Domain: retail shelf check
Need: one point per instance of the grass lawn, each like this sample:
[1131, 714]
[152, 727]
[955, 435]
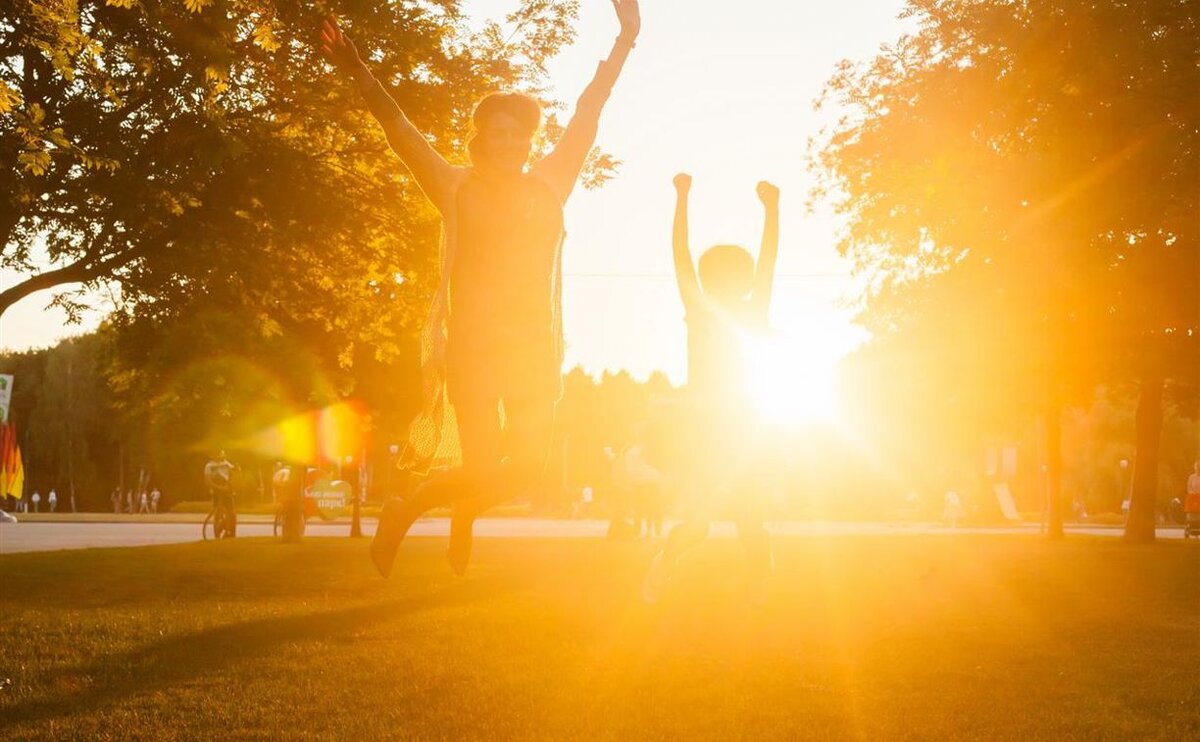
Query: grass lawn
[968, 637]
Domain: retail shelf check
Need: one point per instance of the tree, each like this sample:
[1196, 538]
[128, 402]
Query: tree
[272, 254]
[175, 145]
[63, 417]
[1020, 182]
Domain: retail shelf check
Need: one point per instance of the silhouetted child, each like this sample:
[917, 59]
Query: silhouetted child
[725, 309]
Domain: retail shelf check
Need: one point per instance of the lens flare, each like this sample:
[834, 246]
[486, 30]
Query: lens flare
[328, 434]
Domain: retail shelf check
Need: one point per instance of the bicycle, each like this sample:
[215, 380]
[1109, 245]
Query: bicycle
[222, 520]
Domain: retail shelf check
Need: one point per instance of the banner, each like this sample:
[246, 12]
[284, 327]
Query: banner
[12, 470]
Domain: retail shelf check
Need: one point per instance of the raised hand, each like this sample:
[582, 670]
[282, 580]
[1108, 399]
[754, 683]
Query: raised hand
[683, 183]
[337, 47]
[768, 193]
[630, 16]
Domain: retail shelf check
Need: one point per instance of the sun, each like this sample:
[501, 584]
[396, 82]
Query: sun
[791, 383]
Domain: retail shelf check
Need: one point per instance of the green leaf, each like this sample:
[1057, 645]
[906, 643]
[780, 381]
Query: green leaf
[35, 162]
[264, 36]
[9, 98]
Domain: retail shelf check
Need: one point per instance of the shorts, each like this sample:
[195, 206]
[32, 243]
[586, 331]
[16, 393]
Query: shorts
[222, 498]
[726, 471]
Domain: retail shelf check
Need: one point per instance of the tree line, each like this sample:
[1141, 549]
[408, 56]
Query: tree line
[90, 418]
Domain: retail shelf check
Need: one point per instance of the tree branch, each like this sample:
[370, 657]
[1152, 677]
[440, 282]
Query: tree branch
[72, 273]
[91, 265]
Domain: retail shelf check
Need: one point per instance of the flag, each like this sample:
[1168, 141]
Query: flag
[12, 471]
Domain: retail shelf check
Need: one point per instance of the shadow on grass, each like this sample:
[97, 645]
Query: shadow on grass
[244, 570]
[176, 659]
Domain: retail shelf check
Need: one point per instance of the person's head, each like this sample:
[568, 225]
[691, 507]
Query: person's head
[726, 273]
[504, 126]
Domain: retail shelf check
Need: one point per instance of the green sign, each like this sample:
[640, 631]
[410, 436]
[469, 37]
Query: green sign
[6, 384]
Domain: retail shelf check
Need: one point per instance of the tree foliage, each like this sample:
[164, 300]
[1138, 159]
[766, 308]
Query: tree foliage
[1019, 182]
[185, 147]
[271, 253]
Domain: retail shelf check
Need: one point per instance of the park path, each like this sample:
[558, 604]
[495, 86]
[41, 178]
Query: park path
[24, 537]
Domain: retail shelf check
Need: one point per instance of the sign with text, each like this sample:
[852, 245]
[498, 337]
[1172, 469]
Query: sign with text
[330, 498]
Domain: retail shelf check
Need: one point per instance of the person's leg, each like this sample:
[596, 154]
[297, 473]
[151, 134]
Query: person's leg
[682, 537]
[706, 465]
[486, 482]
[230, 514]
[529, 426]
[751, 515]
[686, 534]
[479, 436]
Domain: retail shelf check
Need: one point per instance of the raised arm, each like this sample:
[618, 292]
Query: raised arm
[685, 272]
[560, 169]
[433, 174]
[764, 275]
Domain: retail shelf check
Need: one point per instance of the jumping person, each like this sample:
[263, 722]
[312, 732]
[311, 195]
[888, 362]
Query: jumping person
[494, 332]
[725, 307]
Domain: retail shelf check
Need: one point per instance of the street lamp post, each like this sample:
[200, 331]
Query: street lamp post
[393, 452]
[355, 492]
[1126, 503]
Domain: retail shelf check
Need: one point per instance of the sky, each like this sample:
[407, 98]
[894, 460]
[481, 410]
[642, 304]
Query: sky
[723, 91]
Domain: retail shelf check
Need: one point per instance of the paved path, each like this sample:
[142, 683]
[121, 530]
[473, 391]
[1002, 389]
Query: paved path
[21, 537]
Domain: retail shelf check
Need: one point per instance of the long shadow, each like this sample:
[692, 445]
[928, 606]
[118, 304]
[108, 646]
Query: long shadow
[179, 658]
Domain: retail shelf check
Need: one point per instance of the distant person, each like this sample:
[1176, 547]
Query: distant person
[952, 509]
[129, 501]
[640, 486]
[36, 499]
[494, 333]
[116, 500]
[724, 306]
[154, 497]
[1079, 509]
[143, 503]
[582, 507]
[52, 500]
[218, 478]
[1175, 512]
[1193, 481]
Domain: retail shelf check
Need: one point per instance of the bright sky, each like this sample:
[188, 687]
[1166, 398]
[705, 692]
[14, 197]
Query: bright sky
[721, 90]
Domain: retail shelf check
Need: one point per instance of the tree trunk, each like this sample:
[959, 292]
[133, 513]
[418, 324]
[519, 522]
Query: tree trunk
[1139, 526]
[293, 506]
[1053, 424]
[70, 427]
